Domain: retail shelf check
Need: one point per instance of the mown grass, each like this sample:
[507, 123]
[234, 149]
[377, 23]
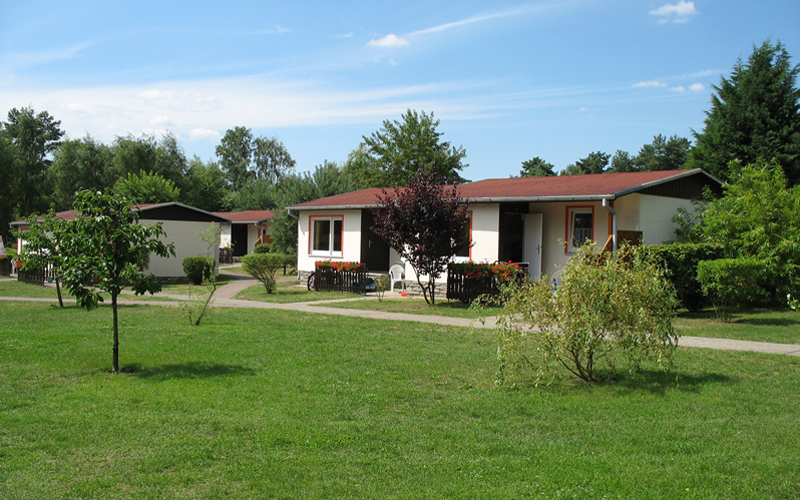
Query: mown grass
[417, 305]
[289, 291]
[274, 404]
[759, 325]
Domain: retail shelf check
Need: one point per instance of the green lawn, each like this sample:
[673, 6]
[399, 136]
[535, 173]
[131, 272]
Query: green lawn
[291, 291]
[274, 404]
[417, 305]
[760, 325]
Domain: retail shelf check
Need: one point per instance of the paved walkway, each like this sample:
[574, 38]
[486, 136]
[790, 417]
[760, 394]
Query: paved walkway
[224, 297]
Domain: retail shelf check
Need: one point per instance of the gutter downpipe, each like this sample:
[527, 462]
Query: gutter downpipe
[613, 212]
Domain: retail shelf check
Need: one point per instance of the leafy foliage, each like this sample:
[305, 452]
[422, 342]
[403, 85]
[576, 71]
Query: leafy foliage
[29, 138]
[733, 283]
[263, 267]
[43, 247]
[594, 163]
[606, 309]
[107, 250]
[244, 158]
[680, 262]
[536, 167]
[754, 114]
[424, 223]
[199, 268]
[759, 217]
[147, 187]
[663, 154]
[394, 154]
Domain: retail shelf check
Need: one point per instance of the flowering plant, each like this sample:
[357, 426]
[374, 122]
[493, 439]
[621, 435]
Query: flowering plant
[503, 271]
[338, 265]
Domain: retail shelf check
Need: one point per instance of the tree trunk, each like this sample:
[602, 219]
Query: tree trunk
[58, 290]
[115, 349]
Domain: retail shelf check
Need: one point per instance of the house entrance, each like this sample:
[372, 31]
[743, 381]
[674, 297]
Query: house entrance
[239, 240]
[521, 237]
[374, 249]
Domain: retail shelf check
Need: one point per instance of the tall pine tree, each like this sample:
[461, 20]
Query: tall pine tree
[754, 114]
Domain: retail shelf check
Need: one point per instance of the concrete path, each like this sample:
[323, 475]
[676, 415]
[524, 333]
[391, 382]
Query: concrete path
[224, 297]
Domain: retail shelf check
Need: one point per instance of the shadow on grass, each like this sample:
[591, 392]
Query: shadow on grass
[187, 371]
[658, 381]
[767, 321]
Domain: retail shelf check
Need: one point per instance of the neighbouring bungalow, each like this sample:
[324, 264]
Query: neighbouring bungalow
[537, 220]
[182, 225]
[246, 231]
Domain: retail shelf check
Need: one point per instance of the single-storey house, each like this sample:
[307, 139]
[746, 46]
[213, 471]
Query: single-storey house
[538, 220]
[182, 225]
[246, 230]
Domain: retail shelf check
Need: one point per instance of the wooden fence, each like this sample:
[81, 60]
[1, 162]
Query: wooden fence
[466, 288]
[36, 276]
[327, 279]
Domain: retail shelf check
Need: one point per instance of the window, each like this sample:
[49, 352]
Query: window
[580, 227]
[326, 235]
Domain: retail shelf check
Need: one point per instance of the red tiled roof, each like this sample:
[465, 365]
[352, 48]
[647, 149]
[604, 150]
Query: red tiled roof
[355, 199]
[592, 186]
[249, 216]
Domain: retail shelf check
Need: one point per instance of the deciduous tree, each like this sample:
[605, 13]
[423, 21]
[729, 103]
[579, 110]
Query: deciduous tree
[34, 137]
[403, 147]
[424, 223]
[107, 250]
[147, 187]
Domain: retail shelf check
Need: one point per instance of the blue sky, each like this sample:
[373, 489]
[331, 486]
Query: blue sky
[510, 81]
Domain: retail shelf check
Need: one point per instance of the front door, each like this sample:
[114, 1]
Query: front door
[239, 239]
[532, 245]
[374, 249]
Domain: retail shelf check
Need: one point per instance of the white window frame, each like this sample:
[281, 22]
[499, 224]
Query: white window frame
[312, 227]
[572, 212]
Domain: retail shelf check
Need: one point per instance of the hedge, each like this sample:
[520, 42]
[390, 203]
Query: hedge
[198, 268]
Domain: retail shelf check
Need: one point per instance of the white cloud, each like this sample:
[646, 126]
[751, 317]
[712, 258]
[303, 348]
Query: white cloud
[677, 13]
[346, 35]
[155, 94]
[679, 88]
[74, 106]
[696, 87]
[160, 120]
[205, 134]
[389, 41]
[583, 110]
[652, 83]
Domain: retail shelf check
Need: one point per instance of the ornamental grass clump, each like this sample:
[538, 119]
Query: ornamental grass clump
[608, 309]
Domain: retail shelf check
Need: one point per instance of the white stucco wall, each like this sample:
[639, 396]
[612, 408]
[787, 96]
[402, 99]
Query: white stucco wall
[183, 234]
[656, 216]
[485, 231]
[351, 238]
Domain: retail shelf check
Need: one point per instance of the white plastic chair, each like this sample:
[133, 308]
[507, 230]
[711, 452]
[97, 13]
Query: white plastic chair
[397, 274]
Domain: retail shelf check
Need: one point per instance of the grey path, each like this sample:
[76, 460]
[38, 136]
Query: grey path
[224, 298]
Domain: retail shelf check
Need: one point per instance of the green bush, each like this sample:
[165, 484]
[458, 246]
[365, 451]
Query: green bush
[733, 283]
[261, 249]
[263, 267]
[606, 309]
[198, 268]
[680, 261]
